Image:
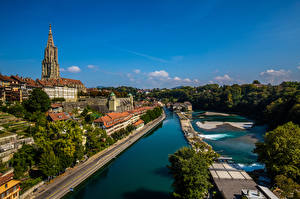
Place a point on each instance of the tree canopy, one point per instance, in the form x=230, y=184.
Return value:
x=280, y=151
x=38, y=101
x=189, y=168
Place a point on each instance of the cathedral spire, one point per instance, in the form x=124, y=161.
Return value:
x=50, y=66
x=50, y=37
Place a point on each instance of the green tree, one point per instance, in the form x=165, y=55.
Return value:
x=280, y=151
x=38, y=101
x=23, y=160
x=17, y=110
x=49, y=164
x=287, y=186
x=256, y=82
x=190, y=171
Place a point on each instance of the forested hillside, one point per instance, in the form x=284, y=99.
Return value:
x=274, y=105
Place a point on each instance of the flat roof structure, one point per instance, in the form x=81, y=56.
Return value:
x=230, y=180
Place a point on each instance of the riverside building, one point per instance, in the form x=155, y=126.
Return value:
x=113, y=122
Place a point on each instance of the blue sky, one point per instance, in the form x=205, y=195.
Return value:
x=154, y=43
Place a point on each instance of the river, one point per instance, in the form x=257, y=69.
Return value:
x=141, y=172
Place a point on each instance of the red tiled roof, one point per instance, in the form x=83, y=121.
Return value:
x=56, y=105
x=30, y=82
x=5, y=78
x=19, y=79
x=60, y=82
x=6, y=178
x=138, y=122
x=59, y=116
x=111, y=119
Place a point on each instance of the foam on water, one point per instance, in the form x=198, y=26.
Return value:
x=251, y=167
x=215, y=136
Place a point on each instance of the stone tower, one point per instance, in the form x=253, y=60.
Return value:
x=131, y=100
x=112, y=102
x=50, y=66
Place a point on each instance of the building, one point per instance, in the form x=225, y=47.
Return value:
x=115, y=121
x=59, y=116
x=15, y=88
x=139, y=124
x=120, y=104
x=9, y=188
x=10, y=143
x=10, y=89
x=186, y=106
x=62, y=88
x=234, y=183
x=50, y=66
x=56, y=108
x=51, y=82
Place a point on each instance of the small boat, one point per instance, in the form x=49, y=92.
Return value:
x=71, y=189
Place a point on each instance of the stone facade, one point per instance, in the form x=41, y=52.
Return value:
x=50, y=66
x=51, y=82
x=68, y=93
x=103, y=105
x=120, y=104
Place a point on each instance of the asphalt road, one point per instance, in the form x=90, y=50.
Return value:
x=75, y=176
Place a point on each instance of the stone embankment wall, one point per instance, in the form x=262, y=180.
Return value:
x=100, y=104
x=27, y=194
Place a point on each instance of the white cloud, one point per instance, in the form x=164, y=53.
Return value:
x=187, y=80
x=62, y=70
x=73, y=69
x=298, y=67
x=177, y=78
x=275, y=76
x=223, y=78
x=137, y=71
x=196, y=80
x=160, y=73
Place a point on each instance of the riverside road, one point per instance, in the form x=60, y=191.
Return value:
x=75, y=176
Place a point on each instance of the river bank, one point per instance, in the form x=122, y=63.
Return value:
x=193, y=137
x=75, y=176
x=140, y=171
x=226, y=140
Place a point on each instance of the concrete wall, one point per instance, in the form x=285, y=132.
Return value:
x=27, y=193
x=100, y=104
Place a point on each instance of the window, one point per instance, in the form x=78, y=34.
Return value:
x=5, y=185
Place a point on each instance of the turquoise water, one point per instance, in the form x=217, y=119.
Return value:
x=140, y=171
x=238, y=144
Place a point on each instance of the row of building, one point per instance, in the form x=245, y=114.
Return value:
x=9, y=188
x=113, y=122
x=16, y=88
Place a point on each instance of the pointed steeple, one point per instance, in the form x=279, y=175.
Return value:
x=50, y=37
x=50, y=66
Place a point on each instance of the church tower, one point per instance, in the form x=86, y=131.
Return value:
x=50, y=66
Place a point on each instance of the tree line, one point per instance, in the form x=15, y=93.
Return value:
x=278, y=106
x=274, y=105
x=152, y=114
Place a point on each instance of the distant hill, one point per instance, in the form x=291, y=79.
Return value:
x=177, y=87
